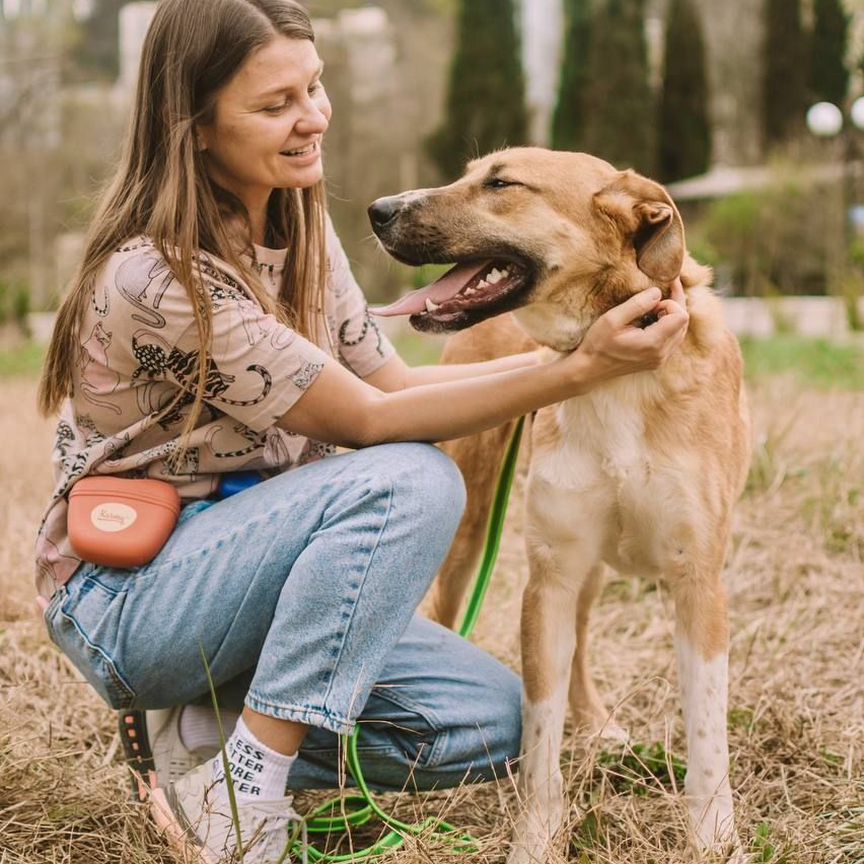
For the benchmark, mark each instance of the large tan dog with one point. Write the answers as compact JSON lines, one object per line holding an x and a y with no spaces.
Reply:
{"x":641,"y":473}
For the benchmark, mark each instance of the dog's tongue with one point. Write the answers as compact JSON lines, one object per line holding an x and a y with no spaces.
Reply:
{"x":449,"y":285}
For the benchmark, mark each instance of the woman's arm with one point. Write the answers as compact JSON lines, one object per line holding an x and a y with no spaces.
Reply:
{"x":396,"y":374}
{"x":340,"y":408}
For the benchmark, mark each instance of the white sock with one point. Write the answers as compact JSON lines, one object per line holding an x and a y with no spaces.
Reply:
{"x":199,"y":730}
{"x":257,"y":771}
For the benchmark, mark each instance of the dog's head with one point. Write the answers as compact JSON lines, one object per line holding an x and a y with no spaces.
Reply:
{"x":559,"y":238}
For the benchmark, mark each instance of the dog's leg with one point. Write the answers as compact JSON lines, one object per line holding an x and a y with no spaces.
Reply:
{"x":702,"y":644}
{"x":548,"y":641}
{"x":589,"y":713}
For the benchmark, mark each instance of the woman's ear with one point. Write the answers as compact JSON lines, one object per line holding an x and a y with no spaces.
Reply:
{"x":203,"y":134}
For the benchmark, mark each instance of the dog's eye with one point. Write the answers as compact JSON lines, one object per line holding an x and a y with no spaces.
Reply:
{"x":499,"y":183}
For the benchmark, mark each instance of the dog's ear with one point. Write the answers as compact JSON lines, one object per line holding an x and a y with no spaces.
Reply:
{"x":647,"y":217}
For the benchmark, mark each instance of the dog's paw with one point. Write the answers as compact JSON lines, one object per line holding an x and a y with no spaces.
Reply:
{"x":533,"y":834}
{"x":610,"y":731}
{"x":724,"y":846}
{"x":593,"y":721}
{"x":738,"y":855}
{"x":521,"y":855}
{"x":530,"y":850}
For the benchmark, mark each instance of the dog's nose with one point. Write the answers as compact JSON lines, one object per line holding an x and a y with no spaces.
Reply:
{"x":384,"y":210}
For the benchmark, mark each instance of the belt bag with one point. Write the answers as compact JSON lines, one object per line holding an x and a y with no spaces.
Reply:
{"x":118,"y":522}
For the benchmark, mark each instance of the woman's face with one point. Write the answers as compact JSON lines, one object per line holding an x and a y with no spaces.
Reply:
{"x":269,"y":122}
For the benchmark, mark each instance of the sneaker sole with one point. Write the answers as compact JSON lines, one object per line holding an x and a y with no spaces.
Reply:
{"x":132,"y":726}
{"x":177,"y":835}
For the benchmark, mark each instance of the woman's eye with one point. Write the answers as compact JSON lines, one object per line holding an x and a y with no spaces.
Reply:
{"x":315,"y":88}
{"x":276,"y":109}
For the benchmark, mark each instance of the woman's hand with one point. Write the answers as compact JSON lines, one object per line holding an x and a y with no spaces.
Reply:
{"x":616,"y":345}
{"x":340,"y":408}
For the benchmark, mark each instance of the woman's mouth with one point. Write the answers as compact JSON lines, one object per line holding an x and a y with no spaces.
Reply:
{"x":300,"y":152}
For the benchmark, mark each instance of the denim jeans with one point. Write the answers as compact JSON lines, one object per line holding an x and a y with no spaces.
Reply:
{"x":301,"y":593}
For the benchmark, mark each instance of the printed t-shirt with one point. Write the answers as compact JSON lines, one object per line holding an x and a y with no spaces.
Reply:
{"x":139,"y":343}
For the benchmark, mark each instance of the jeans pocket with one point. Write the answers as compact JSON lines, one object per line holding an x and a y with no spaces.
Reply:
{"x":411,"y":728}
{"x":54,"y":603}
{"x":84,"y":625}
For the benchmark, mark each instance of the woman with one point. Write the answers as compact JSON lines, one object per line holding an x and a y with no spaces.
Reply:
{"x":215,"y":326}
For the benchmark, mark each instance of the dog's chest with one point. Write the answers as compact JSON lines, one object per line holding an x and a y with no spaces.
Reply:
{"x":600,"y":484}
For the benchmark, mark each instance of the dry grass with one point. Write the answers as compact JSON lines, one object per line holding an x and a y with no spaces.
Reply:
{"x":796,"y":716}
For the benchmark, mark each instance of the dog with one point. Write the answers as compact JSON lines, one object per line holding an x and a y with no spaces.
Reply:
{"x":641,"y":473}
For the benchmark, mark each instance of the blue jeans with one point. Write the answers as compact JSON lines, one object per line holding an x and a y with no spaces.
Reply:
{"x":301,"y":593}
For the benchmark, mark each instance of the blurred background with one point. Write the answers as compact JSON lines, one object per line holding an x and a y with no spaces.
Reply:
{"x":715,"y":99}
{"x":748,"y":110}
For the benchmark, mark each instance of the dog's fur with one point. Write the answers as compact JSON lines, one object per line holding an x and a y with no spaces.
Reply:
{"x":641,"y":473}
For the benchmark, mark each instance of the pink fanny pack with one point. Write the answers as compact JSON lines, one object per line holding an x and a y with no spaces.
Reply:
{"x":118,"y":522}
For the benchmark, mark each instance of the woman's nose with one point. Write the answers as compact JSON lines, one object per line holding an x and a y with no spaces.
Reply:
{"x":316,"y":118}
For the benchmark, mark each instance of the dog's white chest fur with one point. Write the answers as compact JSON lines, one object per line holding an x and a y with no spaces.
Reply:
{"x":604,"y":487}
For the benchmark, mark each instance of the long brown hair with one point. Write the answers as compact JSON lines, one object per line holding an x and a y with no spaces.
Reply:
{"x":162,"y":190}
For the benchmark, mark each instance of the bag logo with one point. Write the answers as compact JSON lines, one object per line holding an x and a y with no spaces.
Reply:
{"x":112,"y":516}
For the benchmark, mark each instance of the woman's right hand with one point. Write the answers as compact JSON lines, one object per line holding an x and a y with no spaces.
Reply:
{"x":616,"y":345}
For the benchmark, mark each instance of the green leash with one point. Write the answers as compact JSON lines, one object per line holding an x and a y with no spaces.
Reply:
{"x":341,"y":814}
{"x":494,"y":532}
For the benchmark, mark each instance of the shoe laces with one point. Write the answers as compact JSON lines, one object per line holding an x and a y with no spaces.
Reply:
{"x":271,"y":824}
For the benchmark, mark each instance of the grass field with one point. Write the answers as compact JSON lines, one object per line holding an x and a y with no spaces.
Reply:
{"x":796,"y":712}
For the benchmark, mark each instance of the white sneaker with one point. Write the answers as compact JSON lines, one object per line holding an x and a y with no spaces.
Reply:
{"x":171,"y":758}
{"x":155,"y":752}
{"x":195,"y":815}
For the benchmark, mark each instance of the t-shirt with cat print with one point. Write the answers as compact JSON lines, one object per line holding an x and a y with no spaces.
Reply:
{"x":139,"y":346}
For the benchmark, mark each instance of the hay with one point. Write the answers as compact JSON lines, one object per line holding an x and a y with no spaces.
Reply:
{"x":796,"y":717}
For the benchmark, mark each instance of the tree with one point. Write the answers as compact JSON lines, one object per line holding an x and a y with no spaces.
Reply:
{"x":486,"y":93}
{"x":98,"y":52}
{"x":619,"y":103}
{"x":784,"y":82}
{"x":568,"y":123}
{"x":684,"y":147}
{"x":829,"y":77}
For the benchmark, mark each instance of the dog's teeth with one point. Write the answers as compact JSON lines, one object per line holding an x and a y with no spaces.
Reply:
{"x":430,"y":306}
{"x":482,"y":284}
{"x":469,"y":291}
{"x":495,"y":276}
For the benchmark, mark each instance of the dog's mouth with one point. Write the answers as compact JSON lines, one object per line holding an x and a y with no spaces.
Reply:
{"x":464,"y":295}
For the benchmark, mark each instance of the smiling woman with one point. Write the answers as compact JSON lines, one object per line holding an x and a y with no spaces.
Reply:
{"x":215,"y":334}
{"x":267,"y":127}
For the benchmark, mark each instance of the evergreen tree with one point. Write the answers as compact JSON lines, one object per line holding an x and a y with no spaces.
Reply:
{"x":829,"y":77}
{"x":568,"y":123}
{"x":684,"y":147}
{"x":98,"y":51}
{"x":619,"y":105}
{"x":486,"y":94}
{"x":784,"y":83}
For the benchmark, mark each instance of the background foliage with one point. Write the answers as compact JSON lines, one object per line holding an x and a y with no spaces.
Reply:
{"x":684,"y":148}
{"x":486,"y":94}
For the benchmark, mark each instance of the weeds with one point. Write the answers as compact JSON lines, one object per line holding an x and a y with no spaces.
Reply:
{"x":796,"y":728}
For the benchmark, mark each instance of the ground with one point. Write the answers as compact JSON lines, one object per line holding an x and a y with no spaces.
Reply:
{"x":796,"y":708}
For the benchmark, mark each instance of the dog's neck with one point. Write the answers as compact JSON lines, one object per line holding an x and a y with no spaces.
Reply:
{"x":680,"y":374}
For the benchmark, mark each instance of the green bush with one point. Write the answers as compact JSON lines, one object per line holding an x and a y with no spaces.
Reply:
{"x":786,"y":239}
{"x":15,"y":305}
{"x":21,"y":307}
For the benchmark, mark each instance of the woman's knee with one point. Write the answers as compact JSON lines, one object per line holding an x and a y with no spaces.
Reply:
{"x":425,"y":481}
